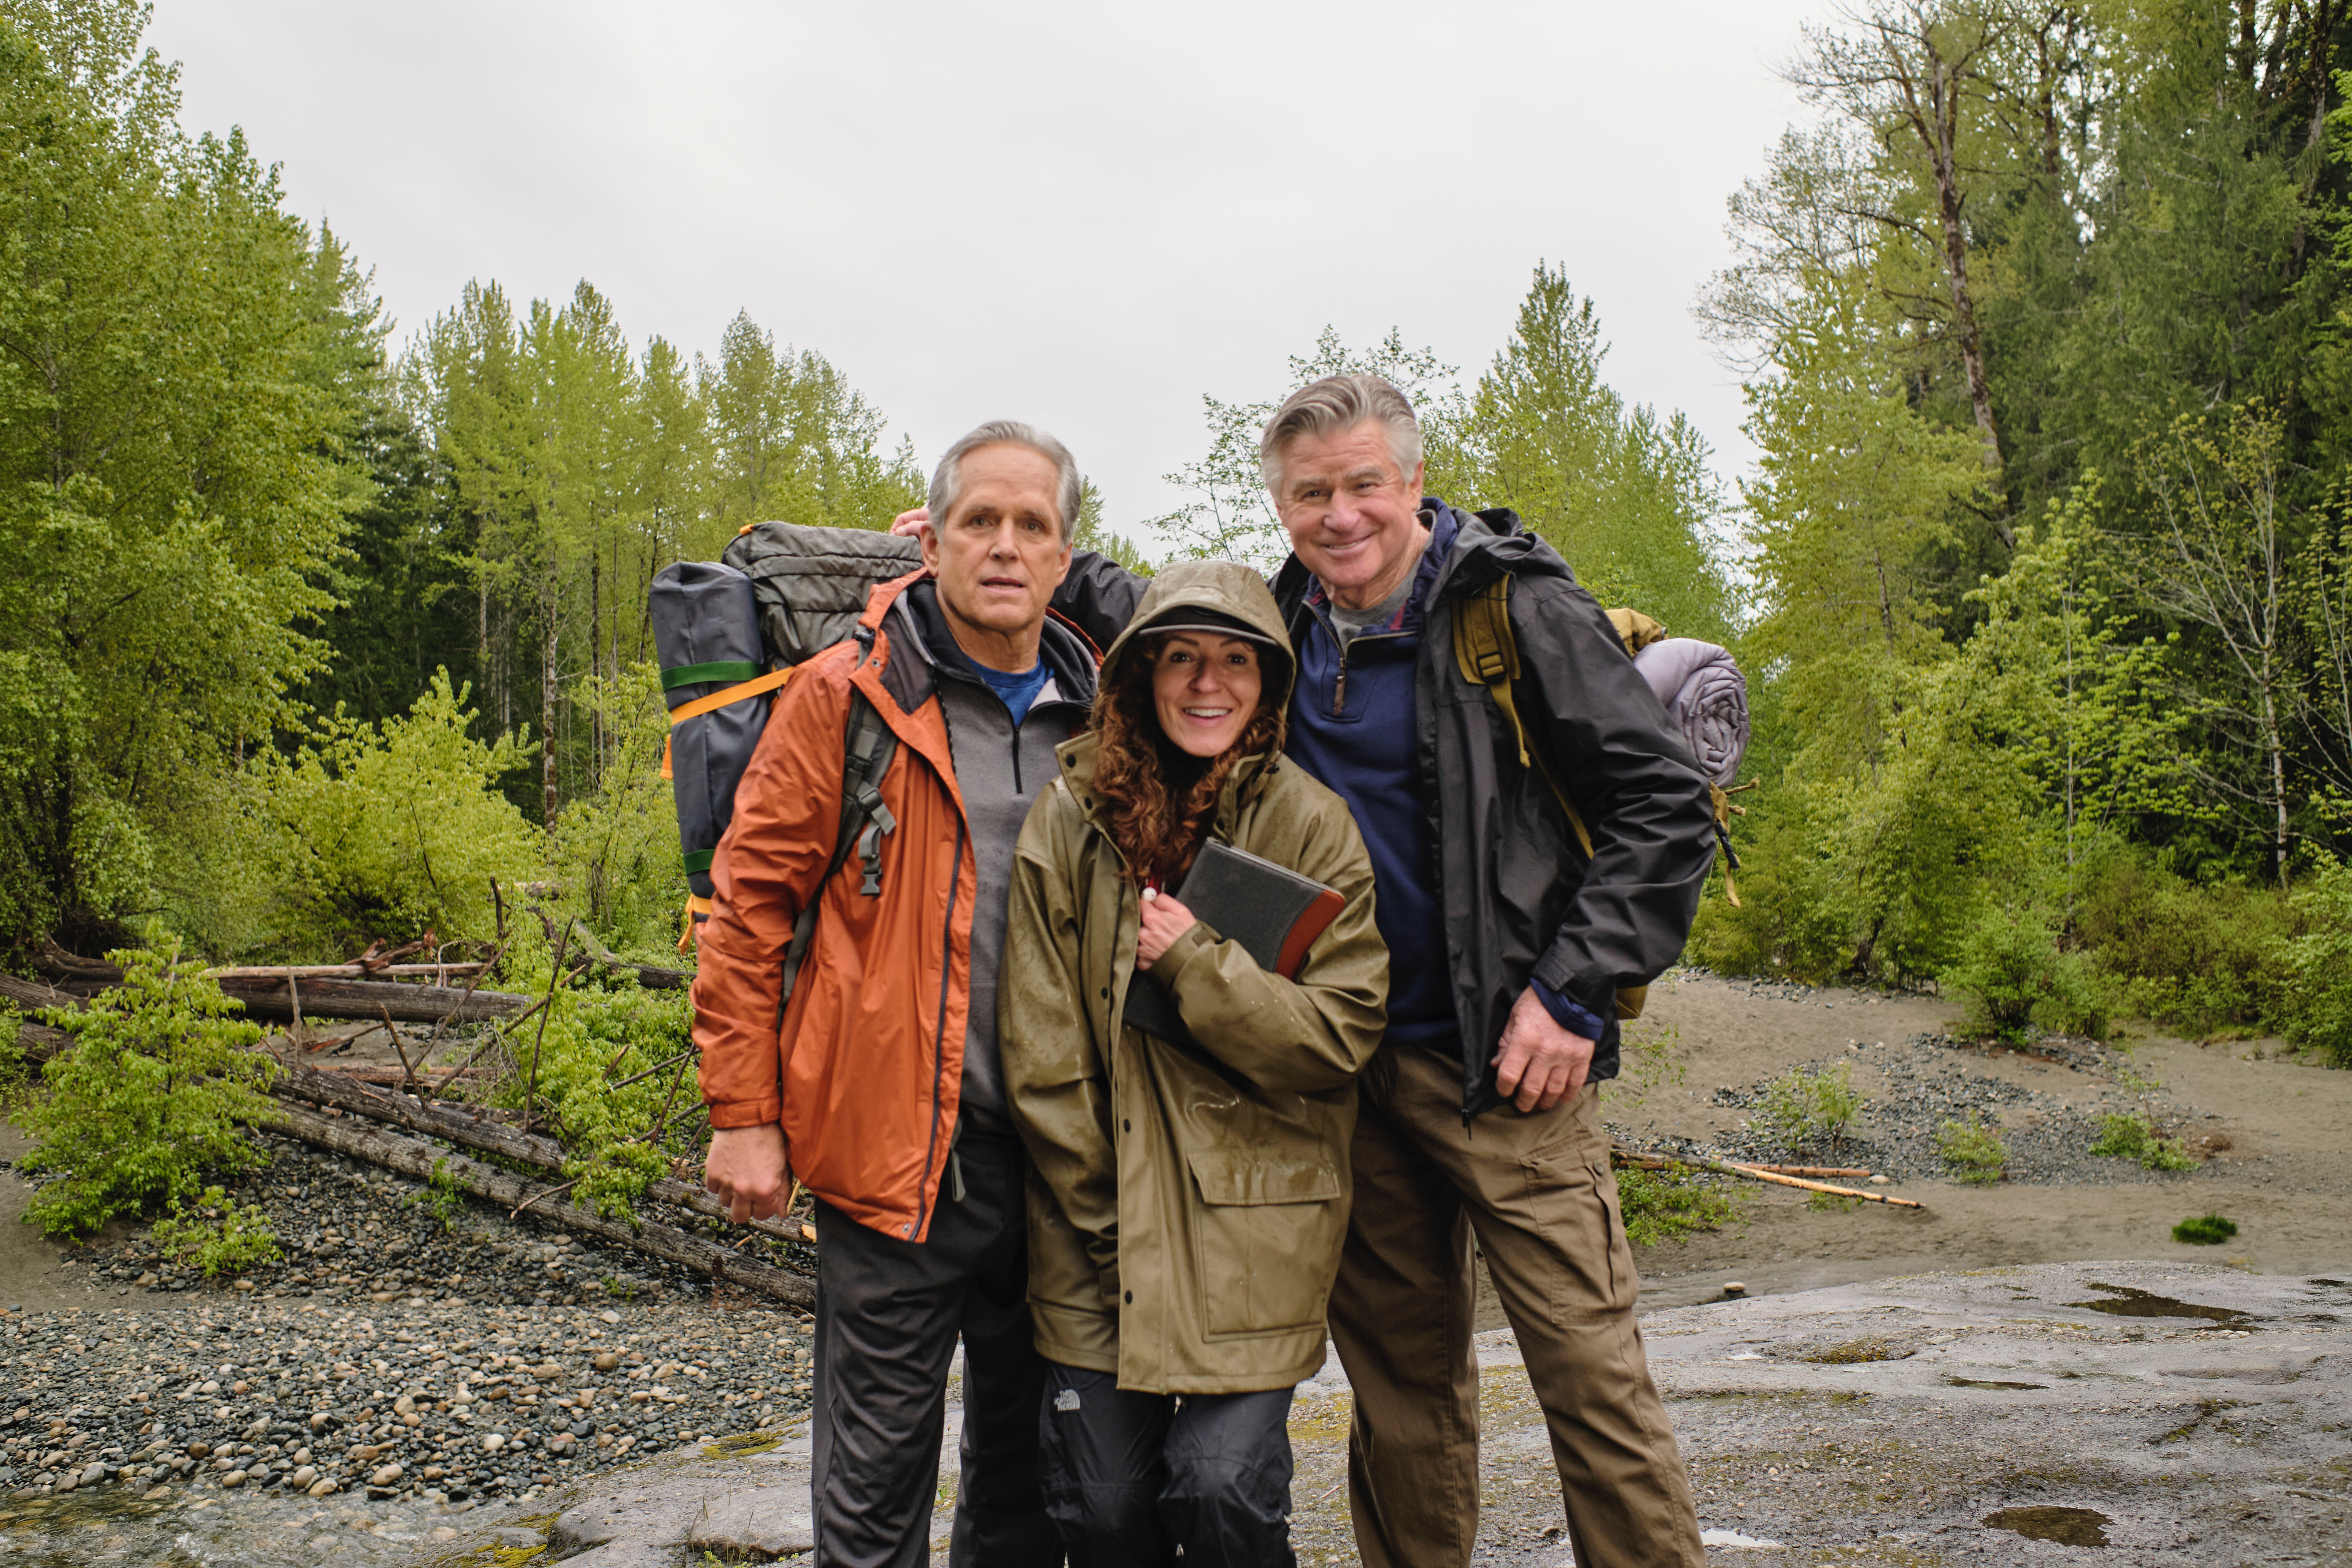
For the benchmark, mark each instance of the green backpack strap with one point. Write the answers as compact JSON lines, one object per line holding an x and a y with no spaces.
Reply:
{"x":1487,"y":654}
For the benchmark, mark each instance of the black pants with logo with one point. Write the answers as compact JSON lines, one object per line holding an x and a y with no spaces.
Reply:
{"x":1130,"y":1478}
{"x":888,"y":1313}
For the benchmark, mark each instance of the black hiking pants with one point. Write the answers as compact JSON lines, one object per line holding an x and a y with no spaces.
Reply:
{"x":888,"y":1313}
{"x":1130,"y":1478}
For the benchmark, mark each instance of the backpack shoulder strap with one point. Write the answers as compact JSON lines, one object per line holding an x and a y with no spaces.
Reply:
{"x":869,"y":745}
{"x":1488,"y":655}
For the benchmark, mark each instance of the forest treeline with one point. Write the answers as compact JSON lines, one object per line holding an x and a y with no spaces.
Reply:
{"x":309,"y":631}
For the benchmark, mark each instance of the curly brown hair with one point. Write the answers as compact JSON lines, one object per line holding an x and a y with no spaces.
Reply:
{"x":1161,"y":797}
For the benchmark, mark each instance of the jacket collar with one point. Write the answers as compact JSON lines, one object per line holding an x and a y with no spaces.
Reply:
{"x":910,"y":609}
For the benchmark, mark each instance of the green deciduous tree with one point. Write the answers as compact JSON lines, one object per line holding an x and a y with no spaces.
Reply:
{"x":1627,"y":498}
{"x":174,"y":410}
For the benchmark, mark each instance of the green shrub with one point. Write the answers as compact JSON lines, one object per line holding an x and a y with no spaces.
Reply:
{"x":1806,"y":1105}
{"x":441,"y":1196}
{"x":1972,"y":1152}
{"x":1646,"y":1064}
{"x":2136,"y":1137}
{"x":612,"y":1059}
{"x":220,"y":1238}
{"x":2316,"y":1009}
{"x":1790,"y":924}
{"x":2015,"y":979}
{"x":1671,"y":1204}
{"x":615,"y":851}
{"x":2207,"y":1230}
{"x":148,"y":1096}
{"x":2201,"y":959}
{"x":391,"y":831}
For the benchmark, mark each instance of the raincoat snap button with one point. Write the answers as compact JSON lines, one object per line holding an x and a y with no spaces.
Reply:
{"x":1130,"y":1297}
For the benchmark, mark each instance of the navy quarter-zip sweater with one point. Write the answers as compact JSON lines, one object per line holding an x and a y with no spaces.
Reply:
{"x":1352,"y":727}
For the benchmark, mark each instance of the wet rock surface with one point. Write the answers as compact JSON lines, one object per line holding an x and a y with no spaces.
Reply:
{"x":1998,"y":1416}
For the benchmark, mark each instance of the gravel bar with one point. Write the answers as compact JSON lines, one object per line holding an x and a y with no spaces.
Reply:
{"x":392,"y":1371}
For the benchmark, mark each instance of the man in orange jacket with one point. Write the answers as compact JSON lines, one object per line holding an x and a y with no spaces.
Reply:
{"x":879,"y":1084}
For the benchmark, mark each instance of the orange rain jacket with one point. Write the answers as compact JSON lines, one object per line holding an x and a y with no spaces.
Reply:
{"x":864,"y":1068}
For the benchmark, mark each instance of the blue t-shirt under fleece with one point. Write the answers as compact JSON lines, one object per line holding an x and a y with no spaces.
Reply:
{"x":1016,"y":690}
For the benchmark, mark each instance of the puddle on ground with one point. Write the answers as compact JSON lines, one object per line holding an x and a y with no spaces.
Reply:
{"x":1990,"y":1382}
{"x":1732,"y":1538}
{"x":2131,"y":1303}
{"x":2066,"y":1526}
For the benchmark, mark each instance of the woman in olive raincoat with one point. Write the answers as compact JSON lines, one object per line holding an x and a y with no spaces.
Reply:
{"x":1188,"y":1201}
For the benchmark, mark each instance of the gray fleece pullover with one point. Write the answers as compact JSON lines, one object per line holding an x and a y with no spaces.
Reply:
{"x":1000,"y":768}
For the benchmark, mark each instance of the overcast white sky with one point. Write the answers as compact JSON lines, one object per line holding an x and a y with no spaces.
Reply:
{"x":1082,"y":214}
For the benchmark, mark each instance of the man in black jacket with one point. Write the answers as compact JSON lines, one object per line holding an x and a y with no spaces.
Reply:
{"x":1479,"y":1116}
{"x":1507,"y":945}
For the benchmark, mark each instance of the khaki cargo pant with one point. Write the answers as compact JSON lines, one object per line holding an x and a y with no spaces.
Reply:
{"x":1537,"y":1194}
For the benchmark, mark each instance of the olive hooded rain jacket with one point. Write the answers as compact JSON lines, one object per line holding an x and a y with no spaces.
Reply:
{"x":1186,"y":1210}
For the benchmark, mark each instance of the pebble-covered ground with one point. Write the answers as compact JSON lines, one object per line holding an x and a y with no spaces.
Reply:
{"x":403,"y":1364}
{"x":1932,"y":1081}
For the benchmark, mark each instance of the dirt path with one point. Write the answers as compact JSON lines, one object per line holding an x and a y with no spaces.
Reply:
{"x":2285,"y":1177}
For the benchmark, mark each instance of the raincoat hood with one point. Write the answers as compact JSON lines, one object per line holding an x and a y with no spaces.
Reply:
{"x":1191,"y":592}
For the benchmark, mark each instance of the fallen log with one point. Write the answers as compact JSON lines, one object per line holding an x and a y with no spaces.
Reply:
{"x":35,"y":994}
{"x":275,"y":999}
{"x":1650,"y":1161}
{"x":1813,"y":1170}
{"x":441,"y":1119}
{"x":416,"y":1157}
{"x":343,"y":971}
{"x":392,"y":1076}
{"x":271,"y":994}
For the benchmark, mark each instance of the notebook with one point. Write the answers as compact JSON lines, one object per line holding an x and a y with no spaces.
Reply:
{"x":1273,"y":911}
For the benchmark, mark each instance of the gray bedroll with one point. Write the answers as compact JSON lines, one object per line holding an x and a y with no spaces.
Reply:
{"x":812,"y":583}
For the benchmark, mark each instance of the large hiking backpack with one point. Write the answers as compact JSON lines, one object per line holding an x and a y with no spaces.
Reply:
{"x":729,"y":634}
{"x":1704,"y":693}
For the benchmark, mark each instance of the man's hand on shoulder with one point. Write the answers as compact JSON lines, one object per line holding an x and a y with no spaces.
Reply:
{"x":1540,"y":1063}
{"x":747,"y":1167}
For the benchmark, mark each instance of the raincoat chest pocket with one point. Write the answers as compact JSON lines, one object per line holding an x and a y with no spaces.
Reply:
{"x":1266,"y":1240}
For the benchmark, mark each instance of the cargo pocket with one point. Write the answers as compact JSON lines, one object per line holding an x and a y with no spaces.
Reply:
{"x":1264,"y":1241}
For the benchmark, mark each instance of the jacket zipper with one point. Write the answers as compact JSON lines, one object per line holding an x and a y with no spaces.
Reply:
{"x":1339,"y":683}
{"x":939,"y":1035}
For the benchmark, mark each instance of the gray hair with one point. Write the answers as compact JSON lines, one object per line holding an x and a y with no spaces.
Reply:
{"x":1334,"y":403}
{"x":947,"y":479}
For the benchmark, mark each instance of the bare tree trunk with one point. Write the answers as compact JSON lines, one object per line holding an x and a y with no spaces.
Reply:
{"x":2274,"y":743}
{"x":1918,"y":74}
{"x":1934,"y":116}
{"x":595,"y":618}
{"x":547,"y":710}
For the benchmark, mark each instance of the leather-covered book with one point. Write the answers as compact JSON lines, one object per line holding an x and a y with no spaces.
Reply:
{"x":1273,"y":911}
